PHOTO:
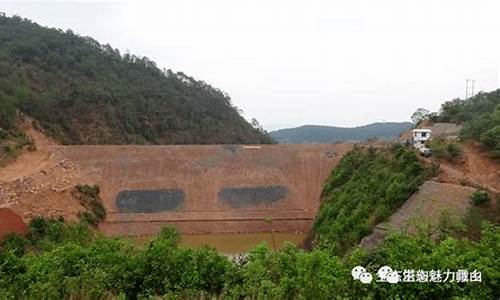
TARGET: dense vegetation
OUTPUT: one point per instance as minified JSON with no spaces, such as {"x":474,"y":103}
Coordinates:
{"x":480,"y":116}
{"x":364,"y":189}
{"x":328,"y":134}
{"x":69,"y":261}
{"x":82,"y":92}
{"x":12,"y":88}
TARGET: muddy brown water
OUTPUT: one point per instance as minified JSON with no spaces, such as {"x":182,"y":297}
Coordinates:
{"x":236,"y":243}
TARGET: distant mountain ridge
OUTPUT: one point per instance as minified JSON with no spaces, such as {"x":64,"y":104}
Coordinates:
{"x":310,"y":134}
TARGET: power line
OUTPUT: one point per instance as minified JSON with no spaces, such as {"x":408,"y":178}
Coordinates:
{"x":469,"y":88}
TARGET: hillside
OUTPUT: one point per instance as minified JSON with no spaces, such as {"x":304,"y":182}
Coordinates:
{"x":480,"y":117}
{"x":366,"y":187}
{"x":329,"y":134}
{"x":83,"y":92}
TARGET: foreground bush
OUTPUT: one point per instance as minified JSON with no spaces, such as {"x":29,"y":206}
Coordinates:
{"x":75,"y":267}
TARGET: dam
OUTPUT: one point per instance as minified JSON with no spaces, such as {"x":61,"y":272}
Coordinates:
{"x":206,"y":188}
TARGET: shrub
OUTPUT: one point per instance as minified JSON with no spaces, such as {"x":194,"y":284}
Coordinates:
{"x":16,"y":243}
{"x":21,"y":139}
{"x":108,"y":268}
{"x":89,"y":197}
{"x":91,"y":191}
{"x":170,"y":235}
{"x":453,"y":150}
{"x":433,"y":170}
{"x":491,"y":139}
{"x":444,"y":149}
{"x":37,"y":228}
{"x":480,"y":197}
{"x":9,"y":150}
{"x":46,"y":233}
{"x":11,"y":142}
{"x":87,"y":217}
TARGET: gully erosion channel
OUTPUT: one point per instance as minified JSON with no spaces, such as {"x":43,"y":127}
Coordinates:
{"x":220,"y":195}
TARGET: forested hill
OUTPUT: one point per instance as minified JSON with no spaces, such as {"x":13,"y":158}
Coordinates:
{"x":480,"y":116}
{"x":82,"y":92}
{"x":329,"y":134}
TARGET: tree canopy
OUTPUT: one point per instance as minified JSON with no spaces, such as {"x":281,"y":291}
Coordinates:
{"x":84,"y":92}
{"x":419,"y":115}
{"x":480,"y":116}
{"x":58,"y":260}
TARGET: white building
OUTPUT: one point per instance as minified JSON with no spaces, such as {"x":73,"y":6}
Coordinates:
{"x":419,"y":137}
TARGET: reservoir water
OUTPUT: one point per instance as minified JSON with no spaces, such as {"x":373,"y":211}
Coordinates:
{"x":236,"y":243}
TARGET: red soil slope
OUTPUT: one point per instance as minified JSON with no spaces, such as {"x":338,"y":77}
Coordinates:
{"x":10,"y":222}
{"x":474,"y":168}
{"x":39,"y":183}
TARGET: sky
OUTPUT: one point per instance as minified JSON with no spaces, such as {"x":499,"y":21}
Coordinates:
{"x":289,"y":63}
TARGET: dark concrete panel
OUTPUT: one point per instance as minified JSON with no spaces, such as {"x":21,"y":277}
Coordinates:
{"x":149,"y":201}
{"x":242,"y":197}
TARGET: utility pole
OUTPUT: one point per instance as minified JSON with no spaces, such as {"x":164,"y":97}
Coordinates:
{"x":469,"y":88}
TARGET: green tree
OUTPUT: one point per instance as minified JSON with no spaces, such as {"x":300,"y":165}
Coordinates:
{"x":83,"y":92}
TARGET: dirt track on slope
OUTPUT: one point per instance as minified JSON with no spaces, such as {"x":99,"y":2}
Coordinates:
{"x":38,"y":182}
{"x":482,"y":168}
{"x":475,"y":169}
{"x":26,"y":165}
{"x":426,"y":205}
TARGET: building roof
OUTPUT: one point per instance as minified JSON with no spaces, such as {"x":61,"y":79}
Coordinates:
{"x":421,"y":130}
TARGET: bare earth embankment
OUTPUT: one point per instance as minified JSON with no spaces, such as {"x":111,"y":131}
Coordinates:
{"x":198,"y":189}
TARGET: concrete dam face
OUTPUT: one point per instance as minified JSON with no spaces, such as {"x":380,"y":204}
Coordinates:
{"x":206,"y":189}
